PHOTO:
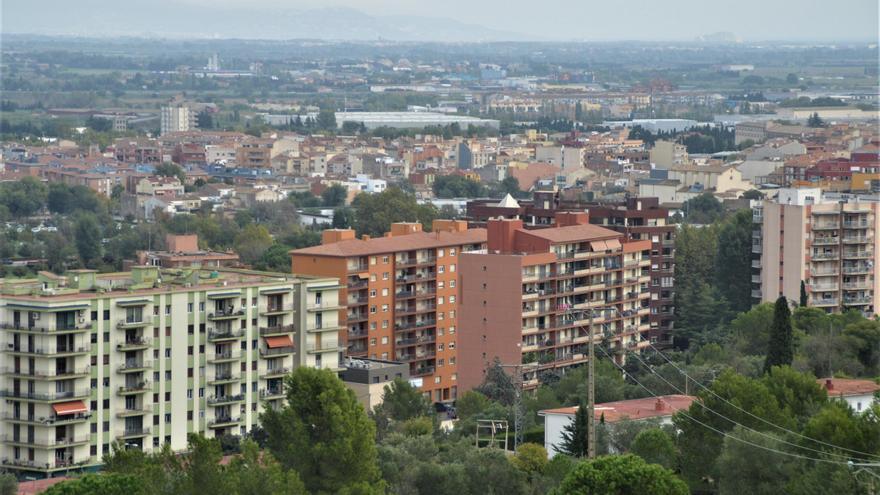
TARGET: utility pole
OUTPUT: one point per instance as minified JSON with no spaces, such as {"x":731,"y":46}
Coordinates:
{"x":591,"y":394}
{"x":518,"y":412}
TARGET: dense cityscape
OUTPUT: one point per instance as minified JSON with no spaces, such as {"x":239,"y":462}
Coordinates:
{"x":408,"y":266}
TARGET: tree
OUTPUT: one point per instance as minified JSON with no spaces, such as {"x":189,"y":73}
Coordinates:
{"x":804,"y":299}
{"x":323,"y":433}
{"x":574,"y":435}
{"x":401,"y":401}
{"x":470,"y":404}
{"x":530,"y":458}
{"x":703,"y":209}
{"x":252,"y":242}
{"x":733,"y":261}
{"x":655,"y":446}
{"x":334,"y":195}
{"x":792,"y":78}
{"x":8,"y":484}
{"x":457,"y":186}
{"x":748,"y":469}
{"x":23,"y":198}
{"x":204,"y":120}
{"x":753,"y":194}
{"x":103,"y":484}
{"x":374,"y":213}
{"x":343,"y":218}
{"x":780,"y":349}
{"x":87,"y":236}
{"x":618,"y":474}
{"x":498,"y":385}
{"x":171,"y":170}
{"x":255,"y":473}
{"x":815,"y":120}
{"x":275,"y":259}
{"x":510,"y":185}
{"x":326,"y":120}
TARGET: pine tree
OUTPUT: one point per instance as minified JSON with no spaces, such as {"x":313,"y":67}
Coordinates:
{"x":780,"y":349}
{"x":804,"y":299}
{"x":574,"y":435}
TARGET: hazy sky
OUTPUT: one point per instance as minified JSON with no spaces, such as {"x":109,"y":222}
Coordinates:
{"x":751,"y":20}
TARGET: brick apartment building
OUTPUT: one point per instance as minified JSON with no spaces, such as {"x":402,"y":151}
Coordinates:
{"x":527,"y":298}
{"x":400,"y":295}
{"x":640,"y":218}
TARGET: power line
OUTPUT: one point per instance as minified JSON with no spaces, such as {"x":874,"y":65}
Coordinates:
{"x":725,"y":434}
{"x":740,"y":424}
{"x":782,"y":428}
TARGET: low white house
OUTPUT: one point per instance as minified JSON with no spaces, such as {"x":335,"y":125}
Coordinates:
{"x":658,"y":408}
{"x":859,"y":394}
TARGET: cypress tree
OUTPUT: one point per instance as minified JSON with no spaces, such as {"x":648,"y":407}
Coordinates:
{"x":780,"y":349}
{"x":804,"y":298}
{"x":574,"y":435}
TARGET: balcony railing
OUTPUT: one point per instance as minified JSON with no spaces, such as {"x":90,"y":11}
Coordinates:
{"x":134,"y":388}
{"x":276,"y":329}
{"x":224,"y":399}
{"x":134,"y":365}
{"x":225,"y":356}
{"x":223,"y":420}
{"x":415,"y":324}
{"x":48,"y":396}
{"x":47,"y":373}
{"x":131,"y":344}
{"x":135,"y":432}
{"x":47,"y":420}
{"x":277,"y":351}
{"x":37,"y":329}
{"x":225,"y":314}
{"x":215,"y":335}
{"x":132,"y":323}
{"x":48,"y":351}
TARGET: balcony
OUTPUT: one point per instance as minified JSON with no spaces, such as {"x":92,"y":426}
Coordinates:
{"x":274,"y":309}
{"x":826,"y":226}
{"x":857,"y":300}
{"x":319,"y":348}
{"x":46,"y":396}
{"x":757,"y":249}
{"x":857,"y":240}
{"x":323,"y":306}
{"x":52,"y":420}
{"x":47,"y":374}
{"x":219,"y":400}
{"x":825,"y":256}
{"x":357,"y":300}
{"x":824,"y":288}
{"x":415,"y":324}
{"x":425,"y":339}
{"x":357,"y":317}
{"x":275,"y":373}
{"x":222,"y":421}
{"x":272,"y":393}
{"x":855,"y":224}
{"x":135,"y":388}
{"x":134,"y":365}
{"x":423,"y":370}
{"x":48,"y":351}
{"x":134,"y":344}
{"x":45,"y":443}
{"x":277,"y":351}
{"x":223,"y":357}
{"x":858,"y":255}
{"x":276,"y":330}
{"x":226,"y":315}
{"x":221,"y":378}
{"x":359,"y":267}
{"x":856,"y":269}
{"x":222,"y":335}
{"x":358,"y":284}
{"x":135,"y":433}
{"x":756,"y":263}
{"x":820,"y":303}
{"x":415,"y":261}
{"x":129,"y":413}
{"x":83,"y":327}
{"x":132,"y":323}
{"x":414,"y":310}
{"x":861,"y":285}
{"x":826,"y":241}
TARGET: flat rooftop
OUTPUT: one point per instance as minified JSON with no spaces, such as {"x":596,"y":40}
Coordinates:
{"x":634,"y":409}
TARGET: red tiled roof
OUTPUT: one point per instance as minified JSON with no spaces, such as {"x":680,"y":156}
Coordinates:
{"x":574,"y":233}
{"x":406,"y":242}
{"x":843,"y":387}
{"x":633,"y":409}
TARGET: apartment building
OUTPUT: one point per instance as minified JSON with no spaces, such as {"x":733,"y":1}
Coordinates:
{"x":148,"y":356}
{"x":400,"y":295}
{"x":639,"y":218}
{"x":176,"y":118}
{"x":829,"y":243}
{"x":529,"y":298}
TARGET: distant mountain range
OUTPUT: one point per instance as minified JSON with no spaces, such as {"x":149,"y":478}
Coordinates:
{"x":190,"y":21}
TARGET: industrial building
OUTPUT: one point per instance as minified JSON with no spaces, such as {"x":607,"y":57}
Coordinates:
{"x":411,"y":120}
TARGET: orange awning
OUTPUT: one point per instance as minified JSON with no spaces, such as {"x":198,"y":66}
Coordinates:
{"x":612,"y":244}
{"x":72,"y":407}
{"x":598,"y":246}
{"x":279,"y":341}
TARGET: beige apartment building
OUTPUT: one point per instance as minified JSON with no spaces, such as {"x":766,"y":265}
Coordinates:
{"x":829,"y":243}
{"x":148,"y":356}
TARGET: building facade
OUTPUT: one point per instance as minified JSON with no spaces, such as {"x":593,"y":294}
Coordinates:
{"x":830,"y":245}
{"x":176,"y":118}
{"x":400,"y":295}
{"x":148,"y":356}
{"x":530,"y":298}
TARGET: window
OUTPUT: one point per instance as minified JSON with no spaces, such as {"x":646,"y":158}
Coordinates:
{"x":441,"y":315}
{"x":384,"y":340}
{"x":440,"y":347}
{"x":452,"y":284}
{"x":441,"y":331}
{"x":441,"y":268}
{"x":373,"y":341}
{"x":385,"y":276}
{"x":168,"y":376}
{"x":372,"y":292}
{"x":385,"y":261}
{"x":452,"y":345}
{"x":189,"y":394}
{"x":254,"y":302}
{"x":451,"y":251}
{"x":385,"y":292}
{"x":201,"y":307}
{"x":372,"y":260}
{"x":106,"y":314}
{"x":372,"y":277}
{"x":451,"y":330}
{"x":451,"y":299}
{"x":441,"y":284}
{"x":452,"y":314}
{"x":189,"y":307}
{"x":189,"y":350}
{"x":190,"y":329}
{"x":167,"y":309}
{"x":436,"y":379}
{"x":384,"y":308}
{"x":167,"y":417}
{"x":372,"y":325}
{"x":452,"y":268}
{"x":243,"y":302}
{"x":440,"y":253}
{"x":168,"y":353}
{"x":373,"y":309}
{"x":384,"y":323}
{"x":451,"y":360}
{"x":441,"y":300}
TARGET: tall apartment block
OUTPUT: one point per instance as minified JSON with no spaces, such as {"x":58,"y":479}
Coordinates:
{"x":148,"y":356}
{"x":530,"y":297}
{"x":827,"y":241}
{"x":639,"y":218}
{"x":400,"y":295}
{"x":176,"y":118}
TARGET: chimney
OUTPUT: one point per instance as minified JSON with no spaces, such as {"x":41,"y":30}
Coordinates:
{"x":405,"y":228}
{"x":365,"y":237}
{"x":329,"y":236}
{"x":441,"y":225}
{"x":567,"y":218}
{"x":829,"y":384}
{"x":502,"y":233}
{"x":658,"y":405}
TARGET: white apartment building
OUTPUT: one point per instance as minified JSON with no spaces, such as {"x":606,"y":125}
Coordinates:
{"x":177,"y":118}
{"x":148,"y":356}
{"x":830,"y":244}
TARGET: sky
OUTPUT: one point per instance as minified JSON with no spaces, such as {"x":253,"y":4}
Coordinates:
{"x":562,"y":20}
